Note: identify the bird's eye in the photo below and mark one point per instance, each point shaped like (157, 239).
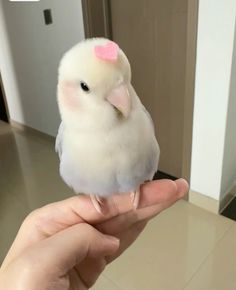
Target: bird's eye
(84, 87)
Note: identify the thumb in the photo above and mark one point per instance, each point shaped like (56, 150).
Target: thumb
(69, 247)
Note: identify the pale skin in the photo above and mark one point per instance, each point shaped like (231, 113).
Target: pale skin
(66, 245)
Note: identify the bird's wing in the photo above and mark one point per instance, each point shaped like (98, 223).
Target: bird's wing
(59, 139)
(149, 117)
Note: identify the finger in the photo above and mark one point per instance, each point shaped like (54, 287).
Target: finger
(90, 269)
(127, 238)
(147, 209)
(160, 192)
(182, 187)
(127, 227)
(60, 253)
(59, 215)
(154, 192)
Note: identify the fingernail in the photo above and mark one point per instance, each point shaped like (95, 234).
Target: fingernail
(181, 179)
(183, 187)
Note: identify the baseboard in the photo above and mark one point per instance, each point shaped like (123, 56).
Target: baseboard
(204, 201)
(227, 197)
(24, 128)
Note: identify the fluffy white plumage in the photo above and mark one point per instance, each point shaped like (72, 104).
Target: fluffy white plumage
(102, 149)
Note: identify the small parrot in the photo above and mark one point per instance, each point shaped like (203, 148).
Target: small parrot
(106, 141)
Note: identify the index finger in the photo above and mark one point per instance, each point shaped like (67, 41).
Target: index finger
(60, 215)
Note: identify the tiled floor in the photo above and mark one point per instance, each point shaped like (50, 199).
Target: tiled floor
(183, 248)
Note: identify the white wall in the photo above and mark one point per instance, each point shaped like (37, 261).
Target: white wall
(29, 69)
(216, 25)
(229, 161)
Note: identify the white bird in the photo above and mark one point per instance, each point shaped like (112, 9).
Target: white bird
(106, 141)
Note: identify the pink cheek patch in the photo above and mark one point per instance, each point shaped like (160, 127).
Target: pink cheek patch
(108, 52)
(69, 95)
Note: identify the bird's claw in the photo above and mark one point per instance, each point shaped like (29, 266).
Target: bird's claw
(97, 202)
(135, 197)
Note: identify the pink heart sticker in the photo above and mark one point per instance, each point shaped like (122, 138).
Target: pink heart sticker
(109, 51)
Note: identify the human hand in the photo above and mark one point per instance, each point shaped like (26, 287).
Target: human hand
(67, 244)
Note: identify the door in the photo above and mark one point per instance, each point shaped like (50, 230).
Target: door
(3, 109)
(155, 36)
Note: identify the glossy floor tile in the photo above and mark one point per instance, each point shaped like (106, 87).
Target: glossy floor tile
(28, 179)
(183, 248)
(104, 283)
(171, 249)
(218, 270)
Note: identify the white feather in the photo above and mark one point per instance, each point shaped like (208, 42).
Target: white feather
(101, 153)
(59, 140)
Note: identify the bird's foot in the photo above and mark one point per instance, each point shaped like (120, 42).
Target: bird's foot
(135, 197)
(97, 202)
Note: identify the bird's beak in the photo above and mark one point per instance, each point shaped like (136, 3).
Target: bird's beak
(120, 99)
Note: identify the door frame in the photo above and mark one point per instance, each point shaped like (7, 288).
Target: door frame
(191, 52)
(91, 24)
(97, 18)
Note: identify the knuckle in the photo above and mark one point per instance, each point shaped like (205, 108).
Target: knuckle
(36, 219)
(31, 217)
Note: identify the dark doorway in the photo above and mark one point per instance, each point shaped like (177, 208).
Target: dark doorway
(230, 210)
(3, 109)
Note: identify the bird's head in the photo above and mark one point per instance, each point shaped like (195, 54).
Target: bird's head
(93, 85)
